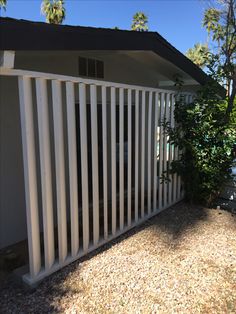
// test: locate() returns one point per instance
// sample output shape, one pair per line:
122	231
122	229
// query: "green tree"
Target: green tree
205	130
140	22
54	11
205	140
221	62
211	21
198	54
3	4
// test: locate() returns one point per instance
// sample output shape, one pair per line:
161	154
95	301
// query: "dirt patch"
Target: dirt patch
181	261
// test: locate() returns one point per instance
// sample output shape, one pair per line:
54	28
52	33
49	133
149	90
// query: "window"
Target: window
91	67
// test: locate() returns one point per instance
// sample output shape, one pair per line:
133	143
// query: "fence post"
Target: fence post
30	175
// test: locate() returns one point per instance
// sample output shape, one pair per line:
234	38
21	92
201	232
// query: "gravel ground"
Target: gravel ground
181	261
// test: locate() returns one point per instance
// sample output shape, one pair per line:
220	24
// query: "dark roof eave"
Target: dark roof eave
28	35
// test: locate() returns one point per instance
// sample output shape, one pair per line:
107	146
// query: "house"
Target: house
82	148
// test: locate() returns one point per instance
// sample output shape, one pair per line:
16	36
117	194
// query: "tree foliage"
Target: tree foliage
198	54
205	130
140	22
3	4
223	59
205	142
54	11
220	24
211	21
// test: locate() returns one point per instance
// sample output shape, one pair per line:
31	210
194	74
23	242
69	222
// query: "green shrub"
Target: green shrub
205	138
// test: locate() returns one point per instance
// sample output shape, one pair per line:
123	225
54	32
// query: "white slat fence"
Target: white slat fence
116	190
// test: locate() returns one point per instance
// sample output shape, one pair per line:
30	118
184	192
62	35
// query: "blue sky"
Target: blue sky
179	21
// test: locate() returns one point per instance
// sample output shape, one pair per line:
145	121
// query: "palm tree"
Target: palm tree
3	4
211	20
54	11
198	54
139	23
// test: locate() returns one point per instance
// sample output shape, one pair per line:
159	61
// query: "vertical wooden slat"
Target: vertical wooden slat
149	157
179	152
174	185
30	175
84	165
171	120
60	169
94	135
72	155
165	153
136	153
113	157
129	154
178	177
143	152
104	142
155	153
121	155
46	173
160	184
190	98
175	176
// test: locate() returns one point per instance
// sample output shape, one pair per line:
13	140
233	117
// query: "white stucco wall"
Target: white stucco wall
137	68
12	202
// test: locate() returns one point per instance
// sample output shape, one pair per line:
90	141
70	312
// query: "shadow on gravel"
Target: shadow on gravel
176	220
15	299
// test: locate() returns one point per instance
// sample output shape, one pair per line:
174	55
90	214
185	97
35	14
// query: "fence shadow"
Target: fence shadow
170	224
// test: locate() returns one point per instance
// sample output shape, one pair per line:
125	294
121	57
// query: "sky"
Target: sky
178	21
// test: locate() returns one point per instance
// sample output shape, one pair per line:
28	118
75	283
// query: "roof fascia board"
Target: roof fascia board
7	59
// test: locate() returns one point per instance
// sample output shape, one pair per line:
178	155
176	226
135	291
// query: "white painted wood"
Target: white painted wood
46	171
129	155
139	165
30	175
171	150
179	152
172	120
149	157
121	155
178	177
60	169
113	157
175	176
27	279
136	153
73	169
155	139
143	152
185	99
160	184
175	151
165	153
104	143
7	59
175	179
94	135
84	165
64	78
